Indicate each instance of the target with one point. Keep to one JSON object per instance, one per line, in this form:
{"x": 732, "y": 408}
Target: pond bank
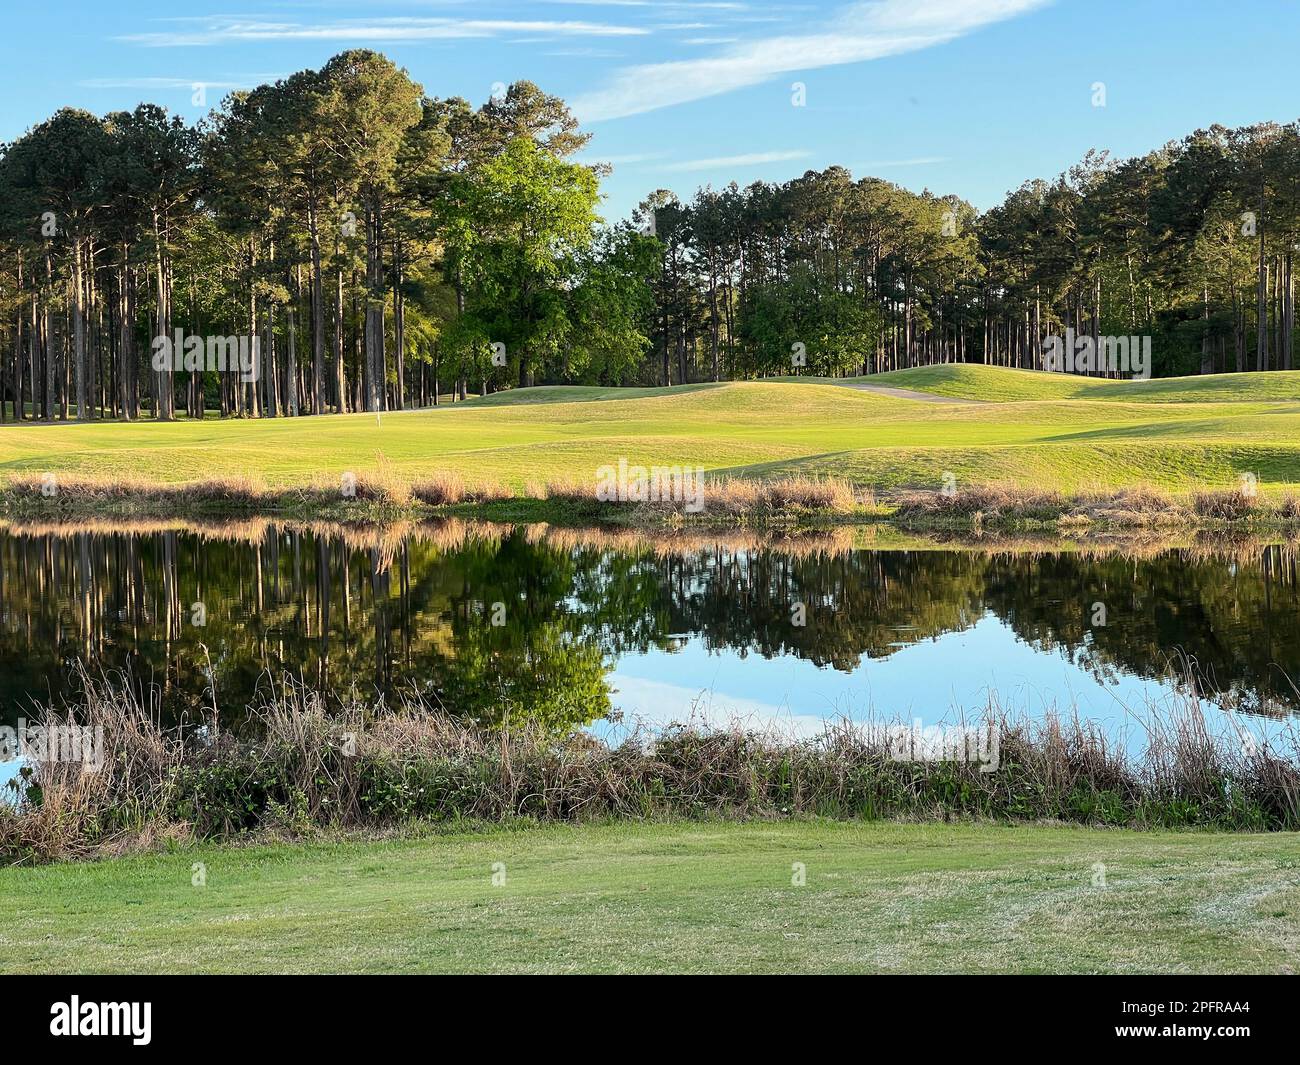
{"x": 780, "y": 505}
{"x": 301, "y": 765}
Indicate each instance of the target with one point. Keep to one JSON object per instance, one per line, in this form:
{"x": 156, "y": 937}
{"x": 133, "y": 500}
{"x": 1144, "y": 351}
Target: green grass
{"x": 676, "y": 898}
{"x": 998, "y": 384}
{"x": 1049, "y": 431}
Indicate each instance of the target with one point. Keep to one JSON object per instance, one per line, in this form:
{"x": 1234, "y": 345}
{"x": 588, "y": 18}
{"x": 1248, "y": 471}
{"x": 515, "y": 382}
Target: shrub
{"x": 302, "y": 767}
{"x": 1231, "y": 504}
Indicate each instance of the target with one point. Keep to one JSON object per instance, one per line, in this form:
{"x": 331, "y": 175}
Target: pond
{"x": 588, "y": 629}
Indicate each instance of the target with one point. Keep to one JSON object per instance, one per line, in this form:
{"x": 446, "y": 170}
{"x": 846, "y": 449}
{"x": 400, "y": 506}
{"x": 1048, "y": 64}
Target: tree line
{"x": 380, "y": 246}
{"x": 388, "y": 249}
{"x": 1191, "y": 244}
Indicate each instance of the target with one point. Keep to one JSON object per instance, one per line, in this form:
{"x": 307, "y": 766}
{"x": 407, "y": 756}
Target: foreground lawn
{"x": 677, "y": 898}
{"x": 1042, "y": 430}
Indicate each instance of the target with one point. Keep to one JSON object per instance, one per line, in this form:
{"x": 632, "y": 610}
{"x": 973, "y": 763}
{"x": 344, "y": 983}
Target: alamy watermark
{"x": 53, "y": 743}
{"x": 975, "y": 745}
{"x": 220, "y": 353}
{"x": 1090, "y": 354}
{"x": 658, "y": 484}
{"x": 133, "y": 1020}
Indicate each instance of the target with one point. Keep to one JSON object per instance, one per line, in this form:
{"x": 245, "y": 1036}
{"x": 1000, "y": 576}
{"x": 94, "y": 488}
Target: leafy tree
{"x": 519, "y": 224}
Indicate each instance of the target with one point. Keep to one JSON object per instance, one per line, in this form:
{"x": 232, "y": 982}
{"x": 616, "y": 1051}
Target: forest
{"x": 387, "y": 249}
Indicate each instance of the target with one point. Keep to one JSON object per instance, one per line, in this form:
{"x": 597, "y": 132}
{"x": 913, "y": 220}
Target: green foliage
{"x": 386, "y": 244}
{"x": 514, "y": 229}
{"x": 358, "y": 227}
{"x": 608, "y": 303}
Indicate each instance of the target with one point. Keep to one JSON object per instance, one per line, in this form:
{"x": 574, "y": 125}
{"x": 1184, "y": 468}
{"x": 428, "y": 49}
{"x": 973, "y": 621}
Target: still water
{"x": 587, "y": 630}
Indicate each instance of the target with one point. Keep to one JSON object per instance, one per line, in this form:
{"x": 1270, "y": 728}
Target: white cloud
{"x": 882, "y": 164}
{"x": 623, "y": 160}
{"x": 220, "y": 30}
{"x": 859, "y": 33}
{"x": 752, "y": 159}
{"x": 585, "y": 53}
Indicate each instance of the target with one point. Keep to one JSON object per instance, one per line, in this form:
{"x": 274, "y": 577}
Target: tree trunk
{"x": 1261, "y": 323}
{"x": 317, "y": 314}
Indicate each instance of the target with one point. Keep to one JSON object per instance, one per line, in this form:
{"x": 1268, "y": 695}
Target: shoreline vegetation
{"x": 791, "y": 503}
{"x": 302, "y": 767}
{"x": 451, "y": 532}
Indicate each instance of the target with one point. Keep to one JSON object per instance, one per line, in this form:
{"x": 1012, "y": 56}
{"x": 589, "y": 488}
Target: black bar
{"x": 335, "y": 1014}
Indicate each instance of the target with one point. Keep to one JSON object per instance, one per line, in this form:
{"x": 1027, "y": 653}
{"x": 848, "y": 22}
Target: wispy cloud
{"x": 752, "y": 159}
{"x": 585, "y": 53}
{"x": 861, "y": 32}
{"x": 884, "y": 164}
{"x": 222, "y": 30}
{"x": 623, "y": 160}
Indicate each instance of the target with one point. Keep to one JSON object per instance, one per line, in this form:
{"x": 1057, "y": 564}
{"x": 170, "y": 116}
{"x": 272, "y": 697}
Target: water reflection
{"x": 497, "y": 620}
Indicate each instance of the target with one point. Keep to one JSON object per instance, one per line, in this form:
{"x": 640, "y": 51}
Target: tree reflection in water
{"x": 497, "y": 620}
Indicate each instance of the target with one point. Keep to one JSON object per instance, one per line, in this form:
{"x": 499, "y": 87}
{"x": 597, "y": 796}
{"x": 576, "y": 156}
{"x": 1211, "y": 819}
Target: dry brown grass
{"x": 383, "y": 484}
{"x": 562, "y": 489}
{"x": 985, "y": 501}
{"x": 725, "y": 500}
{"x": 1137, "y": 507}
{"x": 730, "y": 496}
{"x": 62, "y": 493}
{"x": 442, "y": 489}
{"x": 448, "y": 488}
{"x": 306, "y": 766}
{"x": 1288, "y": 507}
{"x": 126, "y": 797}
{"x": 54, "y": 491}
{"x": 734, "y": 495}
{"x": 1225, "y": 504}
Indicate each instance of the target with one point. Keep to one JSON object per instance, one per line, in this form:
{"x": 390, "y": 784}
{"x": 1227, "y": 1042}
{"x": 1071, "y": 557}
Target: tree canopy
{"x": 384, "y": 248}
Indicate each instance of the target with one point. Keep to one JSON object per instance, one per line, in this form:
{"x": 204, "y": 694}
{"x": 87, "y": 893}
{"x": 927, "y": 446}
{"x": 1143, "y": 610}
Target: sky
{"x": 971, "y": 97}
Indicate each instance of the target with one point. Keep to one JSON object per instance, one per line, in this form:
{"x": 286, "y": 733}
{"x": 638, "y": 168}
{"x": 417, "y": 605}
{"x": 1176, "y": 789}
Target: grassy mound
{"x": 1048, "y": 432}
{"x": 997, "y": 384}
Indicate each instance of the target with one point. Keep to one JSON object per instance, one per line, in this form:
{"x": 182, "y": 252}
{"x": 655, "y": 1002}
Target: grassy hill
{"x": 1042, "y": 430}
{"x": 878, "y": 897}
{"x": 1000, "y": 385}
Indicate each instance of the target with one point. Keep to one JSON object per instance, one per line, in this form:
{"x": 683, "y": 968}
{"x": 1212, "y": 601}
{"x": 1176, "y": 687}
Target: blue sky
{"x": 964, "y": 96}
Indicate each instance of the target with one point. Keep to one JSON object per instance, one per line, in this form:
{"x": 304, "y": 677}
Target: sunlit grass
{"x": 1046, "y": 430}
{"x": 677, "y": 898}
{"x": 998, "y": 384}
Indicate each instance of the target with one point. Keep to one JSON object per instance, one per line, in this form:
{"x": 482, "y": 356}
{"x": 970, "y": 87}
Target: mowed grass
{"x": 999, "y": 384}
{"x": 1047, "y": 431}
{"x": 692, "y": 898}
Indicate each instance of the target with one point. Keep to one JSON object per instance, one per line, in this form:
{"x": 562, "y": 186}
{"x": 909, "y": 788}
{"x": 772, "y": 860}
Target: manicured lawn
{"x": 677, "y": 898}
{"x": 1044, "y": 430}
{"x": 995, "y": 383}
